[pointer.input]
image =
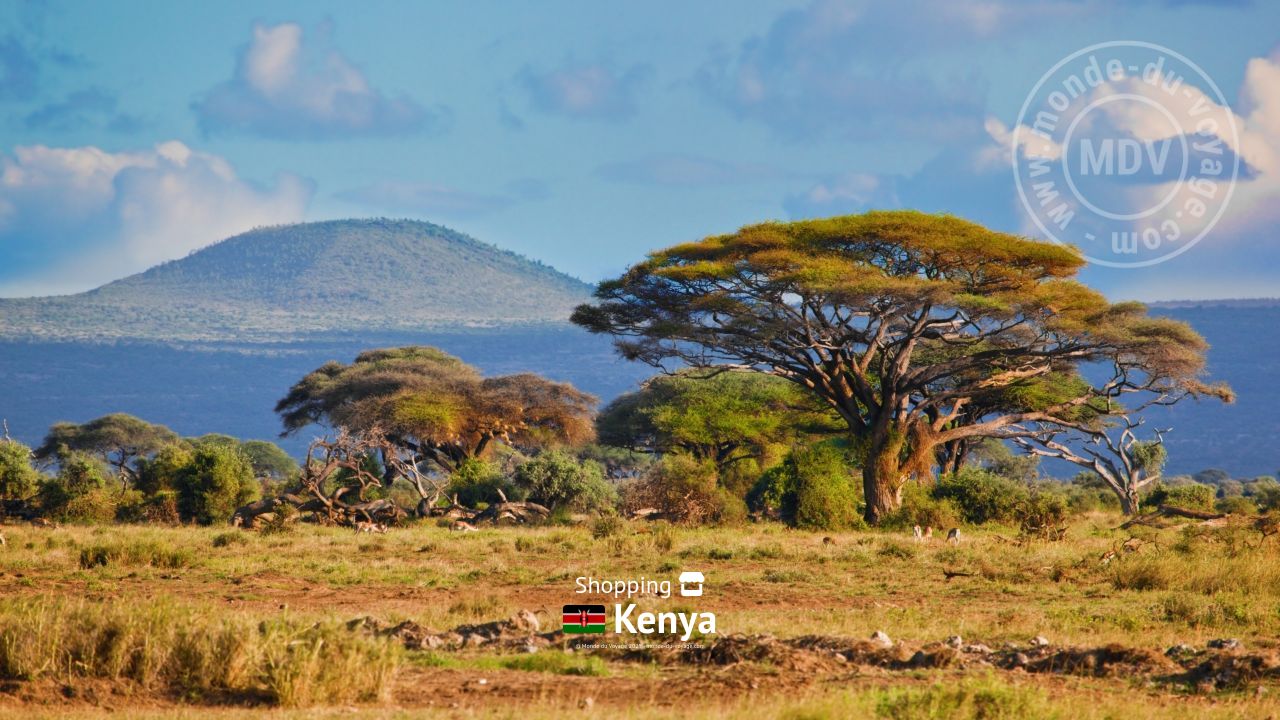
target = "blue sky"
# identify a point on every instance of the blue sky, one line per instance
(581, 134)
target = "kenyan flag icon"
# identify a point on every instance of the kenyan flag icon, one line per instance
(579, 619)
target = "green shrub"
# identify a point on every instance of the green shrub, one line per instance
(160, 473)
(729, 508)
(218, 480)
(1192, 496)
(557, 479)
(814, 488)
(18, 480)
(1042, 514)
(79, 492)
(133, 553)
(1236, 505)
(607, 526)
(981, 496)
(94, 507)
(1266, 494)
(920, 507)
(476, 481)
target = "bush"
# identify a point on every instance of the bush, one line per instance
(1192, 496)
(1265, 494)
(607, 526)
(813, 488)
(981, 496)
(826, 497)
(679, 487)
(557, 479)
(1042, 514)
(133, 553)
(1236, 505)
(476, 481)
(160, 473)
(218, 480)
(920, 507)
(79, 492)
(18, 480)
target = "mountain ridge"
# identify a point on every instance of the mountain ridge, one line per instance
(289, 281)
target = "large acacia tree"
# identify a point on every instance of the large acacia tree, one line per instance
(435, 410)
(919, 330)
(119, 439)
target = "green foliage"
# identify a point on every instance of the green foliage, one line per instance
(218, 480)
(431, 403)
(814, 488)
(729, 419)
(555, 478)
(1192, 496)
(920, 507)
(270, 460)
(79, 492)
(18, 479)
(607, 526)
(1266, 494)
(477, 481)
(118, 438)
(293, 281)
(1041, 514)
(1236, 505)
(160, 473)
(995, 455)
(981, 496)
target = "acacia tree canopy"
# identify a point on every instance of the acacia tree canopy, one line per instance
(723, 418)
(902, 322)
(437, 408)
(119, 439)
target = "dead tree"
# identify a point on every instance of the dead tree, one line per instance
(348, 454)
(1126, 464)
(409, 464)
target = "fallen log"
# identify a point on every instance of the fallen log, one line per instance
(1175, 511)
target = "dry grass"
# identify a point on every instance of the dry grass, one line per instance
(259, 615)
(161, 646)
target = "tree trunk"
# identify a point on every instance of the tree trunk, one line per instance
(882, 476)
(1129, 501)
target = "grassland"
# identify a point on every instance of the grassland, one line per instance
(171, 621)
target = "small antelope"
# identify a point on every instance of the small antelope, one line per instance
(368, 527)
(917, 534)
(462, 526)
(953, 536)
(928, 532)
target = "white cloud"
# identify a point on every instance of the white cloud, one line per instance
(285, 87)
(585, 90)
(849, 193)
(842, 68)
(74, 218)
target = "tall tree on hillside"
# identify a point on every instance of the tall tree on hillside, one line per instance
(436, 410)
(724, 418)
(119, 439)
(900, 321)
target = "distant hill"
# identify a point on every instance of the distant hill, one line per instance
(290, 281)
